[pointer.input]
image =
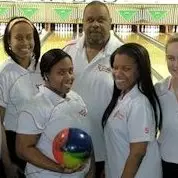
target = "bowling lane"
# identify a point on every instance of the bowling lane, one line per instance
(2, 52)
(161, 37)
(56, 40)
(157, 56)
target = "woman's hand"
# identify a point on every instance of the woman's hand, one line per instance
(64, 170)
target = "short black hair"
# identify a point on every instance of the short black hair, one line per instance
(6, 39)
(49, 59)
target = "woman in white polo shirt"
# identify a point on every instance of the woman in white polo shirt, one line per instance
(19, 78)
(54, 108)
(131, 119)
(168, 94)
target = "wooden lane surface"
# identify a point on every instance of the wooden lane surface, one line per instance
(3, 55)
(56, 40)
(160, 37)
(157, 56)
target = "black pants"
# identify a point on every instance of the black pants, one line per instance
(2, 173)
(11, 139)
(99, 169)
(170, 170)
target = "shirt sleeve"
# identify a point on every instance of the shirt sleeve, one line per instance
(28, 124)
(141, 125)
(4, 90)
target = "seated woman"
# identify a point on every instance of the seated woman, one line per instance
(54, 108)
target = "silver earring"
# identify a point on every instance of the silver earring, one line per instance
(46, 78)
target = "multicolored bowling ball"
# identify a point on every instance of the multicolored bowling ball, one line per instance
(72, 147)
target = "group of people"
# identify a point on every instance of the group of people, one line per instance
(97, 84)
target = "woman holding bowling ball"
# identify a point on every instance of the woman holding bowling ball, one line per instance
(54, 109)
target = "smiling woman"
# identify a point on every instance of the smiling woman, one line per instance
(22, 42)
(19, 76)
(51, 111)
(130, 121)
(57, 73)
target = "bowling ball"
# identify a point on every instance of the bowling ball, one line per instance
(72, 147)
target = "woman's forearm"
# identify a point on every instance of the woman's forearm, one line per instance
(5, 153)
(132, 165)
(34, 156)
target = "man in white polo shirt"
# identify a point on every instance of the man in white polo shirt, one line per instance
(93, 79)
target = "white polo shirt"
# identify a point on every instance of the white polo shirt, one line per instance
(168, 138)
(94, 83)
(131, 121)
(47, 114)
(17, 85)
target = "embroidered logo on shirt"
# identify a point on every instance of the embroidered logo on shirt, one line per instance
(83, 112)
(147, 130)
(118, 115)
(104, 68)
(38, 86)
